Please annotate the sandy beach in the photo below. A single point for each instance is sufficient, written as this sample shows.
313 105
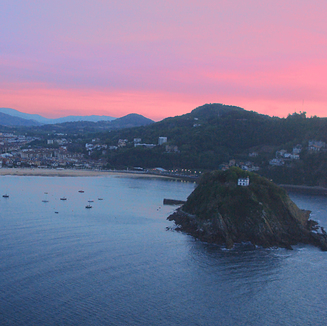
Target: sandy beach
71 173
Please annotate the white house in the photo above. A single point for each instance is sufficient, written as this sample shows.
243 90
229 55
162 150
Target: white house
243 182
162 140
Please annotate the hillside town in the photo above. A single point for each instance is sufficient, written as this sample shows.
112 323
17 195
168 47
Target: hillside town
19 151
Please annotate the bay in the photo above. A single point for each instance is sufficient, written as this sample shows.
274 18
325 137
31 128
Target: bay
118 264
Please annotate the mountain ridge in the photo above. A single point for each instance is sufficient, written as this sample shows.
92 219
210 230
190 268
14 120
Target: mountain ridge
16 118
43 120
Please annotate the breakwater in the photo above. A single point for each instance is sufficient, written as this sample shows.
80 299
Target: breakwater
321 191
167 201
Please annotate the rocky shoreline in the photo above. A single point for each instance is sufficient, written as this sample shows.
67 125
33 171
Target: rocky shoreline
188 223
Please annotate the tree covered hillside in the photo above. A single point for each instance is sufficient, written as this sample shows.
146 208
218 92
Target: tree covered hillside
213 134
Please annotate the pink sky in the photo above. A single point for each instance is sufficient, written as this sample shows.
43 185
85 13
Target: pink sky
162 58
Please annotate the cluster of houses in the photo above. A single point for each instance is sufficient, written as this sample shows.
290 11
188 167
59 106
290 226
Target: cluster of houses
282 156
45 158
246 166
91 147
94 146
138 142
315 146
16 151
10 142
12 154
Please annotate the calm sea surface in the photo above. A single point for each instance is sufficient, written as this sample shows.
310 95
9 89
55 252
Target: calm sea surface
116 264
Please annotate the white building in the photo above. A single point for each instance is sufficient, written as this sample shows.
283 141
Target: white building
162 140
243 182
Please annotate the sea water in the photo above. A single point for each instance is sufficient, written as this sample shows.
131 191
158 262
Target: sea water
120 262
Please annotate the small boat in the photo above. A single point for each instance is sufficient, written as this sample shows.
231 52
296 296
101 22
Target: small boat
88 206
45 200
81 191
63 198
100 198
91 201
5 196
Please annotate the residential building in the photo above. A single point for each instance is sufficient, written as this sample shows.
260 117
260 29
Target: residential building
244 182
162 140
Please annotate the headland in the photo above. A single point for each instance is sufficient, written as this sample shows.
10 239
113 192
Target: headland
235 206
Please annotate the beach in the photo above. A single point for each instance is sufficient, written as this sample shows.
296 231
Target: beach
71 173
88 173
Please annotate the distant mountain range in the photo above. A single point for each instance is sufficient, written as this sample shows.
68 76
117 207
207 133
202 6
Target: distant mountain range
11 117
8 120
35 119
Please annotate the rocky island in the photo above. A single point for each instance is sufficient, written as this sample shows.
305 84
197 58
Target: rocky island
235 206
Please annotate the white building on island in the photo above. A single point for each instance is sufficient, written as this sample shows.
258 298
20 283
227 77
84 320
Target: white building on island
243 182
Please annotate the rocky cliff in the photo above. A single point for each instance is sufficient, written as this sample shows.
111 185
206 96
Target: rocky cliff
221 211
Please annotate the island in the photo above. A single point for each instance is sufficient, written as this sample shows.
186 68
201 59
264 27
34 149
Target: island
236 206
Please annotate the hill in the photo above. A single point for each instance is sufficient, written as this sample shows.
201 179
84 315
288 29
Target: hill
222 212
214 134
8 120
130 121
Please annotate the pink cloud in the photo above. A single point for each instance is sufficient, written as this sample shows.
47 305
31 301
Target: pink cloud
162 58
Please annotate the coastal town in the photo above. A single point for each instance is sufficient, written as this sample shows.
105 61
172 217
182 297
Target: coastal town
20 151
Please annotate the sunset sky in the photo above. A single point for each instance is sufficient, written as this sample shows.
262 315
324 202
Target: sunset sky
162 58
